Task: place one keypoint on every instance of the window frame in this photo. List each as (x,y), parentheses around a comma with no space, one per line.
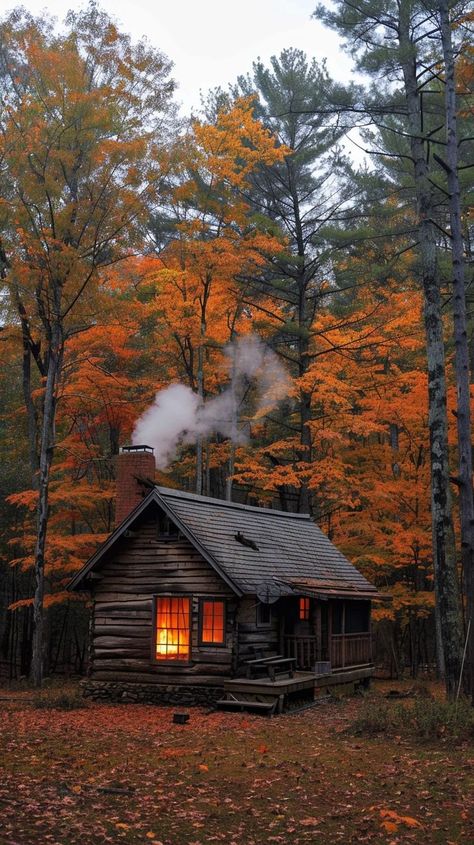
(173,533)
(179,664)
(213,599)
(304,609)
(258,621)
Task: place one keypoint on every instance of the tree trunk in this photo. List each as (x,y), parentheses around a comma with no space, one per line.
(444,552)
(304,321)
(46,456)
(463,415)
(199,441)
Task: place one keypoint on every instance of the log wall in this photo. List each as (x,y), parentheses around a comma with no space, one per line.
(141,566)
(251,636)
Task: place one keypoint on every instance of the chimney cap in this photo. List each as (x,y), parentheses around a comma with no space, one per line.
(137,449)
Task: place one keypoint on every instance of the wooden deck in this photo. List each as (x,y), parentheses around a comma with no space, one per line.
(265,686)
(286,694)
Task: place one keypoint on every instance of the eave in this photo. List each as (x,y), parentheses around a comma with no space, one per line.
(326,589)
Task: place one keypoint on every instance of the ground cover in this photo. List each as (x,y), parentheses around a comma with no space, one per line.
(126,774)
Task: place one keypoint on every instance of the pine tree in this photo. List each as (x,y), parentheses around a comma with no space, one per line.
(389,41)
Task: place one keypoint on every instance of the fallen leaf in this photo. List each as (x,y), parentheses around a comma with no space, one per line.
(389,827)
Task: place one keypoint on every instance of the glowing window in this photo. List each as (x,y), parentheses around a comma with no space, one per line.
(173,628)
(303,609)
(212,622)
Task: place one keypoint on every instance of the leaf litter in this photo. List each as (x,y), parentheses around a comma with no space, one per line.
(127,774)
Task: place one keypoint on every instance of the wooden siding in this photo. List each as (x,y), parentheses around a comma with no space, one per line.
(141,566)
(253,637)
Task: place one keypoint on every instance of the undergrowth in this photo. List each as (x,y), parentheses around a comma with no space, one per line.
(57,699)
(421,718)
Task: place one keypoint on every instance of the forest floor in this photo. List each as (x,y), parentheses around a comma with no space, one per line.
(126,774)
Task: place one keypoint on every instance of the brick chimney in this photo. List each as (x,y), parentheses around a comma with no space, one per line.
(134,465)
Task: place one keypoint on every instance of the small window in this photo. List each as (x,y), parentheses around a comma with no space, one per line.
(173,628)
(212,622)
(166,529)
(264,615)
(303,610)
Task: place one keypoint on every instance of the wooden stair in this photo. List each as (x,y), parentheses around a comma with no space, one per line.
(268,705)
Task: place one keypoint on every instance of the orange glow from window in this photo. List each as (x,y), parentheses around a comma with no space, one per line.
(304,609)
(172,628)
(212,630)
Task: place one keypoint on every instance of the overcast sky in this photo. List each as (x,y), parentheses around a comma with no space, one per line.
(211,42)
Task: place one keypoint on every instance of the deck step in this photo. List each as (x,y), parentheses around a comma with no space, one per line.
(233,701)
(235,704)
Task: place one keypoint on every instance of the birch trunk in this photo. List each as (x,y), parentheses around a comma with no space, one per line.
(444,552)
(463,415)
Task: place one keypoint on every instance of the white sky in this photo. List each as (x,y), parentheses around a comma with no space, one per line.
(211,42)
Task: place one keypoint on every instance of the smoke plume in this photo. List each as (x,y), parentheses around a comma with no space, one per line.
(178,415)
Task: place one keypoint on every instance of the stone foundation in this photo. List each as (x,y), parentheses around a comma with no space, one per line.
(136,693)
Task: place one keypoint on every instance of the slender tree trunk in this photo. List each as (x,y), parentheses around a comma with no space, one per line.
(304,325)
(200,387)
(444,552)
(463,415)
(31,413)
(234,431)
(46,456)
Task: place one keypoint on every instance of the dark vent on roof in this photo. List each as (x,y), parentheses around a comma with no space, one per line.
(241,538)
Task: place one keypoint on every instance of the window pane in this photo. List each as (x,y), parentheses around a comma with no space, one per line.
(264,614)
(172,628)
(304,608)
(212,622)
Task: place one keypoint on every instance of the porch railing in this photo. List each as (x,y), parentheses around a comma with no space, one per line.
(345,650)
(304,649)
(350,650)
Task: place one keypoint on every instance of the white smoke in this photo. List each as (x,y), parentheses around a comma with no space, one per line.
(179,415)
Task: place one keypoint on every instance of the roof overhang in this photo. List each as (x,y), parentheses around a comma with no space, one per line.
(153,496)
(326,589)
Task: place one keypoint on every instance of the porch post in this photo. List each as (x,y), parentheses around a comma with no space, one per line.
(343,628)
(330,642)
(318,631)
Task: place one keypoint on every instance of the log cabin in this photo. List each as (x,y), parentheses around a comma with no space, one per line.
(199,600)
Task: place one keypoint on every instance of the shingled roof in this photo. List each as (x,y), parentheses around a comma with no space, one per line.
(251,546)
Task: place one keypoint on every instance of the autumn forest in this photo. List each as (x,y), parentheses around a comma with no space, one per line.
(286,322)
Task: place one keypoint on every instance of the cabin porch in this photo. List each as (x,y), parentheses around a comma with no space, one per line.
(316,630)
(344,650)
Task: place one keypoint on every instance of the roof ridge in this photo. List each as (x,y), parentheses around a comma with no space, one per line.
(196,497)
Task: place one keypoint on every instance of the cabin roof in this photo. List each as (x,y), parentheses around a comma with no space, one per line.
(291,551)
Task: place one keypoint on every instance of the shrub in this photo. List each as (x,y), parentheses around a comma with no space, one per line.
(422,719)
(57,699)
(375,716)
(431,719)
